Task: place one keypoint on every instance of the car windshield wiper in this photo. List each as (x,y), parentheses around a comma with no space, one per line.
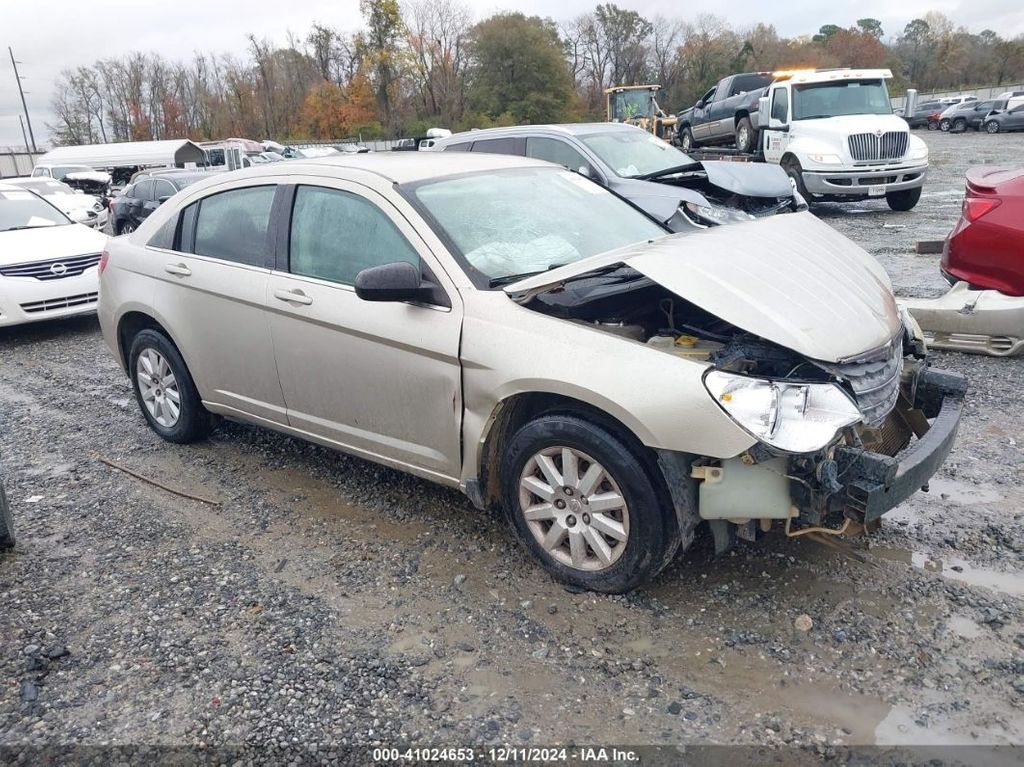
(508,279)
(667,171)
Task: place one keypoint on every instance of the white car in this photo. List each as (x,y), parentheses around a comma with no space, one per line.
(81,208)
(48,263)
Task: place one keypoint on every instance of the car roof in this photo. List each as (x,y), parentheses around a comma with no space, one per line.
(397,167)
(567,129)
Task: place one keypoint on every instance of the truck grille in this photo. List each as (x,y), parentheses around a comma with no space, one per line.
(865,147)
(67,302)
(52,270)
(873,380)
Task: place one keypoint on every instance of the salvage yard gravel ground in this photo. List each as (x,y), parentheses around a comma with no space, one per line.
(325,601)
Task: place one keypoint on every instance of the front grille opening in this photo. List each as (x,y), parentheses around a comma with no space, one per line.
(67,302)
(866,147)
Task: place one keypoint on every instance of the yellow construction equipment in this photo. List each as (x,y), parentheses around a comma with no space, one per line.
(638,105)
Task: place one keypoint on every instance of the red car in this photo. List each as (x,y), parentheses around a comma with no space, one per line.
(986,249)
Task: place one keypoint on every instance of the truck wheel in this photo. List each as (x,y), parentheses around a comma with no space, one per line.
(581,501)
(6,526)
(745,135)
(992,126)
(792,167)
(903,200)
(686,142)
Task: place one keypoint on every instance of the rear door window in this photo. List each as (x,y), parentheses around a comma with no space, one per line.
(233,225)
(496,146)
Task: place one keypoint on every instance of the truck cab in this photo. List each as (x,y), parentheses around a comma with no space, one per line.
(835,134)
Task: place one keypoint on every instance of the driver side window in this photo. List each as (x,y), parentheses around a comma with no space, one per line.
(336,234)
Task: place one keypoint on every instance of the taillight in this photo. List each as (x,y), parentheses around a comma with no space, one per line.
(976,207)
(104,257)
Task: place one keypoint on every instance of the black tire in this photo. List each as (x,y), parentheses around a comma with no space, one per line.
(992,127)
(686,140)
(125,227)
(933,125)
(6,524)
(944,125)
(794,170)
(653,535)
(903,200)
(193,420)
(746,136)
(959,125)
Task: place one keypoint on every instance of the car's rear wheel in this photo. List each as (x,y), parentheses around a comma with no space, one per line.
(686,142)
(992,126)
(933,125)
(6,525)
(903,200)
(164,389)
(580,499)
(745,135)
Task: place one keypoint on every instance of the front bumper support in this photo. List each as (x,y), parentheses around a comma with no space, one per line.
(875,483)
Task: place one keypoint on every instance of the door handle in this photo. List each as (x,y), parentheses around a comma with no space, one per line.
(293,297)
(179,269)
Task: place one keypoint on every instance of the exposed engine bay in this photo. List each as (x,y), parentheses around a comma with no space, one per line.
(805,489)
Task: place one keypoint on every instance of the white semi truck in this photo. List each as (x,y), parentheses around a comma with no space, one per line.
(833,131)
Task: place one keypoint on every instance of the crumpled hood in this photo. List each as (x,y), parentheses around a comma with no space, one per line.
(793,280)
(46,243)
(749,178)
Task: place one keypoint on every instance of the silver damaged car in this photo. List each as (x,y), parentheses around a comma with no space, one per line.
(506,327)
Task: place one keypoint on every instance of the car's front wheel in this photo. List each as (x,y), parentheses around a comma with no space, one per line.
(959,125)
(944,125)
(164,389)
(992,126)
(6,525)
(582,502)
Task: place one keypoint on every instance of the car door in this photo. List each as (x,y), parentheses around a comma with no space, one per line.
(135,201)
(212,293)
(381,379)
(157,189)
(1014,118)
(701,126)
(777,135)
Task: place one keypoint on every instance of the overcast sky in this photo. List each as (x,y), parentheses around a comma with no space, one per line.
(72,33)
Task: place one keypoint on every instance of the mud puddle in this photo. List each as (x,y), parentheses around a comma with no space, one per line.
(954,568)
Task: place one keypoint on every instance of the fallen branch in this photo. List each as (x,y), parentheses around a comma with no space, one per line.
(155,483)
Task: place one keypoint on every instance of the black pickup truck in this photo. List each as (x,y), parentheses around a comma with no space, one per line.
(726,114)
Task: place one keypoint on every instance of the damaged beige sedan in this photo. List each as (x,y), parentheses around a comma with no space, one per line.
(511,329)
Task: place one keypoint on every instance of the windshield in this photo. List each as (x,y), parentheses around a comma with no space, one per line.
(60,171)
(634,152)
(497,228)
(845,97)
(24,210)
(631,104)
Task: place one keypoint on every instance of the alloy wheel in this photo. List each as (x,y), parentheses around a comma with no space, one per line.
(158,387)
(574,508)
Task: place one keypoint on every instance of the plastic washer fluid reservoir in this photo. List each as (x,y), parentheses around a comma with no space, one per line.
(690,347)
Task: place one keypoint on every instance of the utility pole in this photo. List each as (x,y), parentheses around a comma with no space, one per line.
(21,121)
(23,105)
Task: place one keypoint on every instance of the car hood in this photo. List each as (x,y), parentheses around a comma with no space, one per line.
(68,202)
(749,179)
(661,199)
(793,280)
(46,243)
(850,124)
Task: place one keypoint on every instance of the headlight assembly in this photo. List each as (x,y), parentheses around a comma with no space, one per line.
(794,417)
(713,215)
(825,159)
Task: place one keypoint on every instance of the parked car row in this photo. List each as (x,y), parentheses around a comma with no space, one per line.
(1005,113)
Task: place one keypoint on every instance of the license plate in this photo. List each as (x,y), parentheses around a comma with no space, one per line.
(876,191)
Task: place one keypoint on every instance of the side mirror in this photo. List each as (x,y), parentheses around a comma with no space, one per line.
(163,199)
(699,104)
(584,170)
(762,111)
(400,281)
